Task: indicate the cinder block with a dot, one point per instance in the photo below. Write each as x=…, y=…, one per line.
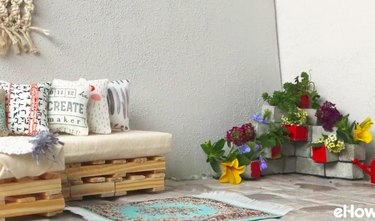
x=323, y=155
x=274, y=167
x=311, y=119
x=318, y=131
x=290, y=165
x=344, y=170
x=308, y=166
x=276, y=113
x=288, y=149
x=353, y=151
x=260, y=128
x=302, y=150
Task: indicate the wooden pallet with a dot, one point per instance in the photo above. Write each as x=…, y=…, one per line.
x=31, y=195
x=108, y=178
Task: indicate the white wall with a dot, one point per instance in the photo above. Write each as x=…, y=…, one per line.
x=196, y=67
x=334, y=40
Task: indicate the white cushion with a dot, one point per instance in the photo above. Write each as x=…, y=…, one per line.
x=118, y=145
x=97, y=110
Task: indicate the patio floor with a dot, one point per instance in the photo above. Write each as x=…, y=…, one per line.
x=312, y=198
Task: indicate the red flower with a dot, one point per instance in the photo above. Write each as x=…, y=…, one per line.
x=240, y=135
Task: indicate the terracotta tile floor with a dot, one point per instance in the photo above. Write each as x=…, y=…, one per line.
x=312, y=198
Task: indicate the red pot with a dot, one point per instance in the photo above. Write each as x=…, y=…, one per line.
x=297, y=133
x=319, y=154
x=304, y=101
x=255, y=169
x=274, y=152
x=322, y=155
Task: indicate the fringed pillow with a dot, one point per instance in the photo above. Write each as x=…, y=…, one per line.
x=67, y=107
x=97, y=111
x=26, y=107
x=118, y=103
x=3, y=127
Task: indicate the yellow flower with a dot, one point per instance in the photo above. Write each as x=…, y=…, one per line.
x=231, y=172
x=361, y=131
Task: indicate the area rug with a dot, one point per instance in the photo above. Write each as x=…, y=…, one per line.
x=207, y=206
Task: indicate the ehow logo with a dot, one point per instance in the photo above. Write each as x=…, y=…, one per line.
x=352, y=212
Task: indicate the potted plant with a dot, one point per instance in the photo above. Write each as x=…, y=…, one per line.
x=295, y=123
x=304, y=88
x=327, y=148
x=239, y=150
x=298, y=94
x=328, y=115
x=279, y=135
x=354, y=135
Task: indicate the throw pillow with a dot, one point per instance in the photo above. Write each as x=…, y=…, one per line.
x=97, y=112
x=118, y=103
x=26, y=107
x=3, y=127
x=67, y=107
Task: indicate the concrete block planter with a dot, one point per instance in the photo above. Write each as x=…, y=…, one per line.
x=290, y=165
x=308, y=166
x=353, y=151
x=311, y=119
x=252, y=171
x=274, y=167
x=322, y=155
x=260, y=129
x=273, y=153
x=302, y=150
x=276, y=113
x=297, y=133
x=288, y=149
x=318, y=131
x=344, y=170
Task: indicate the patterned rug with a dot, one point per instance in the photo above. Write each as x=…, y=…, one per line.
x=202, y=207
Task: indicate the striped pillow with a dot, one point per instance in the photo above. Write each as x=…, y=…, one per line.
x=118, y=104
x=26, y=107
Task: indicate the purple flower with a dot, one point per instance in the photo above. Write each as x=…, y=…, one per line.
x=258, y=118
x=258, y=147
x=244, y=149
x=263, y=164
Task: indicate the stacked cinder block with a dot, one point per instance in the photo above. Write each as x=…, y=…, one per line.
x=296, y=156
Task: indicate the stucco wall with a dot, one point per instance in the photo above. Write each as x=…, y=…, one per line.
x=196, y=67
x=334, y=40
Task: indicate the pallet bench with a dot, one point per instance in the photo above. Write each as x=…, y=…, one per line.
x=31, y=195
x=108, y=178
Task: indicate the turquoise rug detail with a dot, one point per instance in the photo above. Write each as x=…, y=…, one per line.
x=215, y=206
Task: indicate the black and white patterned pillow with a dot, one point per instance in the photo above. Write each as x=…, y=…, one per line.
x=26, y=107
x=3, y=127
x=118, y=104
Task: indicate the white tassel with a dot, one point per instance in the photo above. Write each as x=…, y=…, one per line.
x=240, y=200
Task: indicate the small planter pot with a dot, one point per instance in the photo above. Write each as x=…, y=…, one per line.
x=304, y=101
x=297, y=133
x=252, y=171
x=322, y=155
x=274, y=152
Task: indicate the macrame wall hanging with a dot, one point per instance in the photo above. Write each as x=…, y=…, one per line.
x=15, y=26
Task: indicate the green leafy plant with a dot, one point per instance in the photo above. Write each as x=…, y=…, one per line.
x=289, y=97
x=215, y=153
x=345, y=130
x=304, y=86
x=297, y=117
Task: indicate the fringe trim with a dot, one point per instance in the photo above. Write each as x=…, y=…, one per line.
x=240, y=200
x=86, y=214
